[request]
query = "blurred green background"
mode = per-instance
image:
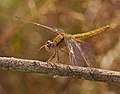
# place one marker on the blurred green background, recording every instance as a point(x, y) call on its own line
point(22, 40)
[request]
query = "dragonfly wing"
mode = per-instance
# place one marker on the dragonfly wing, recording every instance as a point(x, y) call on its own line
point(75, 51)
point(88, 54)
point(79, 53)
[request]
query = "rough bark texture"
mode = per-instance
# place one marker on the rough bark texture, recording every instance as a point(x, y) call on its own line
point(23, 65)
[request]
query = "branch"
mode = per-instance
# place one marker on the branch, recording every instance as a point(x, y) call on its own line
point(23, 65)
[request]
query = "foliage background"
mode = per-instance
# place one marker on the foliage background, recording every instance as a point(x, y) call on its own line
point(22, 40)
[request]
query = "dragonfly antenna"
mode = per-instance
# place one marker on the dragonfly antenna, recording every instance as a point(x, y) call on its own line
point(41, 25)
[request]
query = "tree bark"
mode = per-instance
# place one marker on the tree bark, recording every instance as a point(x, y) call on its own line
point(35, 66)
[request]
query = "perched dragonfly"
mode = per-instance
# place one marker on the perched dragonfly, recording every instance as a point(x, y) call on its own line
point(78, 52)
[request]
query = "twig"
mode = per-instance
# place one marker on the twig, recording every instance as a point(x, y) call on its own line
point(23, 65)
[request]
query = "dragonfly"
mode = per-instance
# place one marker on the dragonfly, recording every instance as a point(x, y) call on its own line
point(78, 52)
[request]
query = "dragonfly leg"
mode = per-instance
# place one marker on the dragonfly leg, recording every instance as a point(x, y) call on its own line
point(57, 54)
point(51, 57)
point(64, 51)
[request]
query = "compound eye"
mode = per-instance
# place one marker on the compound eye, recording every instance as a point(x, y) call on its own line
point(49, 42)
point(51, 45)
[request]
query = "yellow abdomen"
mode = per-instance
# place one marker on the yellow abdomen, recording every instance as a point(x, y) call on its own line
point(91, 33)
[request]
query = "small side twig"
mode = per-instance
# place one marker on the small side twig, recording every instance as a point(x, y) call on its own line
point(23, 65)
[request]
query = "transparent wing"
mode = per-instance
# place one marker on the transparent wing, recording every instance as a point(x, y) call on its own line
point(88, 54)
point(78, 53)
point(75, 55)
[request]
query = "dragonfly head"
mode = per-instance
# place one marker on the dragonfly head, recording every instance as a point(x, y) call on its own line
point(50, 45)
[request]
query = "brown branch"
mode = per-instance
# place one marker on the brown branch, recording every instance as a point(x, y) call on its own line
point(35, 66)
